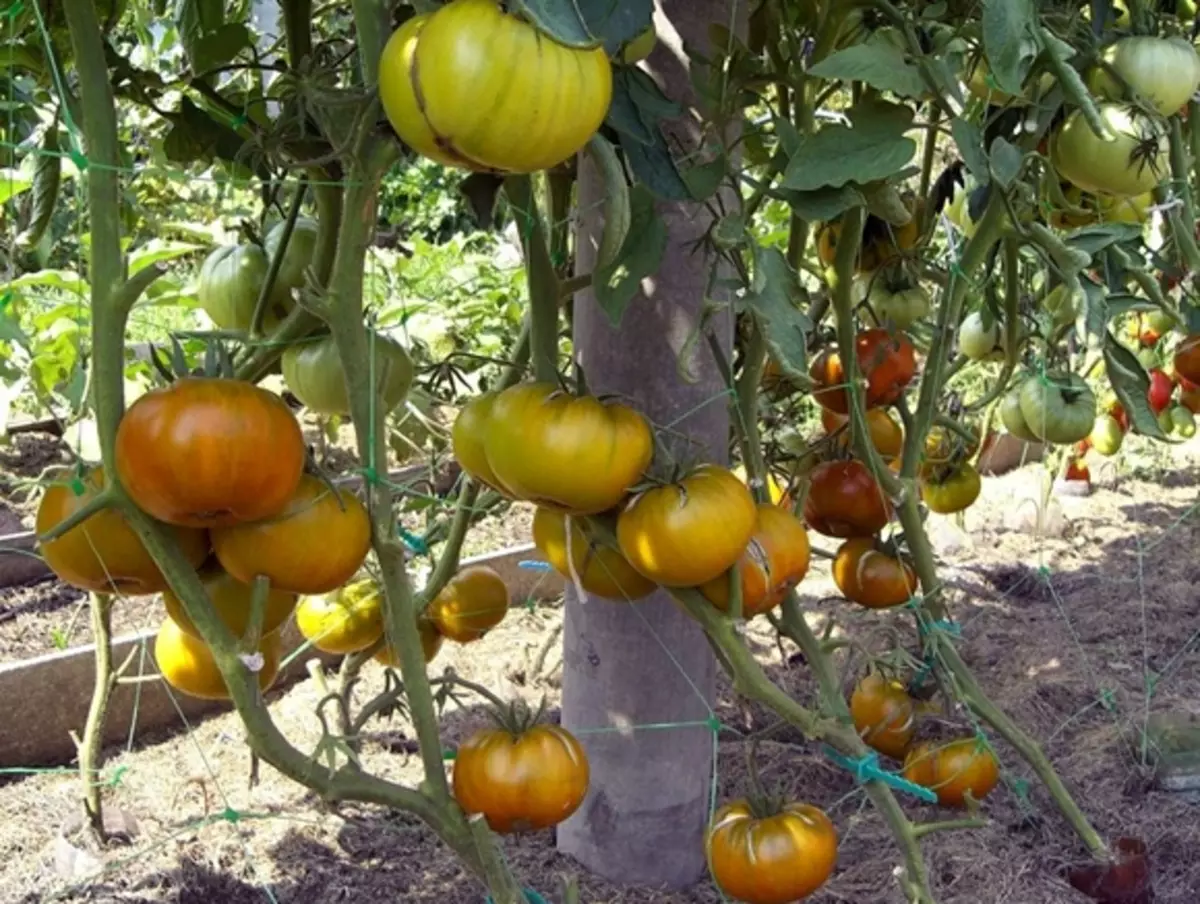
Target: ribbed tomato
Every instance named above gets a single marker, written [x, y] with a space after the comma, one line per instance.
[601, 570]
[845, 500]
[770, 856]
[952, 770]
[887, 436]
[522, 782]
[187, 664]
[209, 453]
[578, 455]
[314, 545]
[884, 715]
[1133, 163]
[871, 577]
[471, 604]
[313, 372]
[687, 533]
[103, 553]
[774, 561]
[1164, 71]
[345, 621]
[1187, 359]
[886, 360]
[468, 435]
[231, 600]
[474, 86]
[231, 279]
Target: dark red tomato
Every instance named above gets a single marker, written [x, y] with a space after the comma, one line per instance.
[1187, 358]
[1161, 390]
[845, 500]
[887, 360]
[1077, 470]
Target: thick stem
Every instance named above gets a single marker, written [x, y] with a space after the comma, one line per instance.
[297, 28]
[447, 563]
[372, 22]
[1012, 327]
[1183, 220]
[543, 282]
[746, 416]
[100, 605]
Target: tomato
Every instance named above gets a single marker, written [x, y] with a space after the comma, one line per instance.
[1058, 407]
[845, 500]
[188, 665]
[1061, 218]
[522, 782]
[775, 492]
[1133, 163]
[975, 340]
[578, 455]
[313, 372]
[774, 561]
[953, 492]
[301, 250]
[887, 360]
[345, 621]
[1187, 358]
[945, 448]
[1160, 391]
[209, 453]
[887, 436]
[103, 554]
[468, 435]
[1164, 71]
[231, 600]
[431, 643]
[1155, 324]
[314, 545]
[1183, 421]
[686, 533]
[1013, 418]
[899, 309]
[953, 770]
[773, 856]
[231, 279]
[884, 715]
[471, 604]
[1106, 436]
[881, 242]
[1063, 305]
[1134, 211]
[1149, 358]
[1190, 399]
[640, 47]
[1077, 470]
[827, 239]
[474, 86]
[601, 570]
[867, 575]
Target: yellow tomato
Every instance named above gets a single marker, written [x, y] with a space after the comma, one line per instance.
[601, 570]
[486, 90]
[345, 621]
[231, 599]
[187, 664]
[474, 602]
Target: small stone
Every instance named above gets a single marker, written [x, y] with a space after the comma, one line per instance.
[73, 863]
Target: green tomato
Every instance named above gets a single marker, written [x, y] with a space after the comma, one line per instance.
[1166, 423]
[230, 279]
[1063, 305]
[640, 47]
[1059, 407]
[1012, 418]
[901, 309]
[299, 255]
[1164, 71]
[975, 340]
[1118, 167]
[1148, 357]
[313, 372]
[1183, 421]
[1106, 435]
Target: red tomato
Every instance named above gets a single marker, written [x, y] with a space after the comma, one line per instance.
[1160, 391]
[845, 500]
[887, 361]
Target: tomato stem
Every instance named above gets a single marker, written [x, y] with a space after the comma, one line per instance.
[100, 607]
[542, 279]
[106, 498]
[268, 287]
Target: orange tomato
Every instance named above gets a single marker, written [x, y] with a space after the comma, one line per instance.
[886, 360]
[471, 604]
[601, 570]
[231, 600]
[953, 770]
[870, 577]
[775, 560]
[884, 715]
[188, 665]
[845, 500]
[887, 436]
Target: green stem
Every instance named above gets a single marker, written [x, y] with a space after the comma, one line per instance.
[747, 389]
[927, 159]
[543, 282]
[558, 185]
[297, 28]
[100, 605]
[1012, 326]
[372, 23]
[102, 500]
[1183, 222]
[447, 563]
[268, 287]
[260, 592]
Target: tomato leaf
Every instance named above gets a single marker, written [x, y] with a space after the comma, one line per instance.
[12, 183]
[624, 115]
[1131, 384]
[560, 19]
[616, 22]
[1006, 161]
[822, 204]
[774, 296]
[616, 284]
[655, 168]
[880, 65]
[1092, 323]
[872, 147]
[704, 179]
[1094, 239]
[969, 139]
[1008, 41]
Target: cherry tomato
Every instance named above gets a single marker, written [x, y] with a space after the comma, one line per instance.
[871, 577]
[953, 770]
[886, 360]
[946, 494]
[884, 715]
[845, 500]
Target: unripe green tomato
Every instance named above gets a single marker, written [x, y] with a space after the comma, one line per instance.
[1183, 421]
[1063, 305]
[1106, 435]
[975, 340]
[1013, 419]
[640, 47]
[1166, 423]
[299, 255]
[901, 309]
[1148, 358]
[313, 372]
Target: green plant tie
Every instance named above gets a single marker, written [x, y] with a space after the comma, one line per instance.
[867, 769]
[1107, 699]
[713, 724]
[240, 120]
[230, 815]
[78, 158]
[916, 601]
[77, 486]
[117, 775]
[416, 544]
[449, 755]
[1020, 788]
[530, 895]
[942, 626]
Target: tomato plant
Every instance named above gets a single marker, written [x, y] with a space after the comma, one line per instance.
[844, 500]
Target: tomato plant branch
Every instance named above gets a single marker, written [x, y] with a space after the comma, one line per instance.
[1012, 326]
[100, 606]
[447, 563]
[1182, 221]
[268, 286]
[297, 28]
[372, 23]
[543, 281]
[754, 362]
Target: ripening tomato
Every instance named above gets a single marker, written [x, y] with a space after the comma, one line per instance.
[887, 436]
[774, 561]
[231, 600]
[1187, 359]
[314, 545]
[887, 360]
[468, 435]
[1133, 163]
[601, 570]
[770, 856]
[686, 533]
[1160, 391]
[103, 554]
[431, 643]
[1189, 398]
[945, 448]
[1117, 410]
[345, 621]
[1078, 470]
[471, 604]
[312, 370]
[871, 577]
[187, 664]
[976, 341]
[953, 770]
[578, 455]
[521, 782]
[1058, 407]
[900, 308]
[475, 86]
[1107, 436]
[884, 715]
[209, 453]
[953, 492]
[845, 500]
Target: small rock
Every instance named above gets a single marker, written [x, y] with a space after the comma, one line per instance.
[73, 863]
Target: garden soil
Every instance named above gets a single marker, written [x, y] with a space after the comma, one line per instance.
[1063, 618]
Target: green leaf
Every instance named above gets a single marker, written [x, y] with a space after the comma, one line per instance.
[1091, 325]
[156, 251]
[194, 19]
[774, 297]
[649, 98]
[654, 167]
[704, 179]
[13, 183]
[617, 284]
[969, 139]
[1008, 41]
[64, 280]
[1122, 303]
[1131, 384]
[624, 116]
[618, 214]
[873, 147]
[220, 46]
[560, 19]
[616, 21]
[1006, 161]
[880, 65]
[823, 204]
[1094, 239]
